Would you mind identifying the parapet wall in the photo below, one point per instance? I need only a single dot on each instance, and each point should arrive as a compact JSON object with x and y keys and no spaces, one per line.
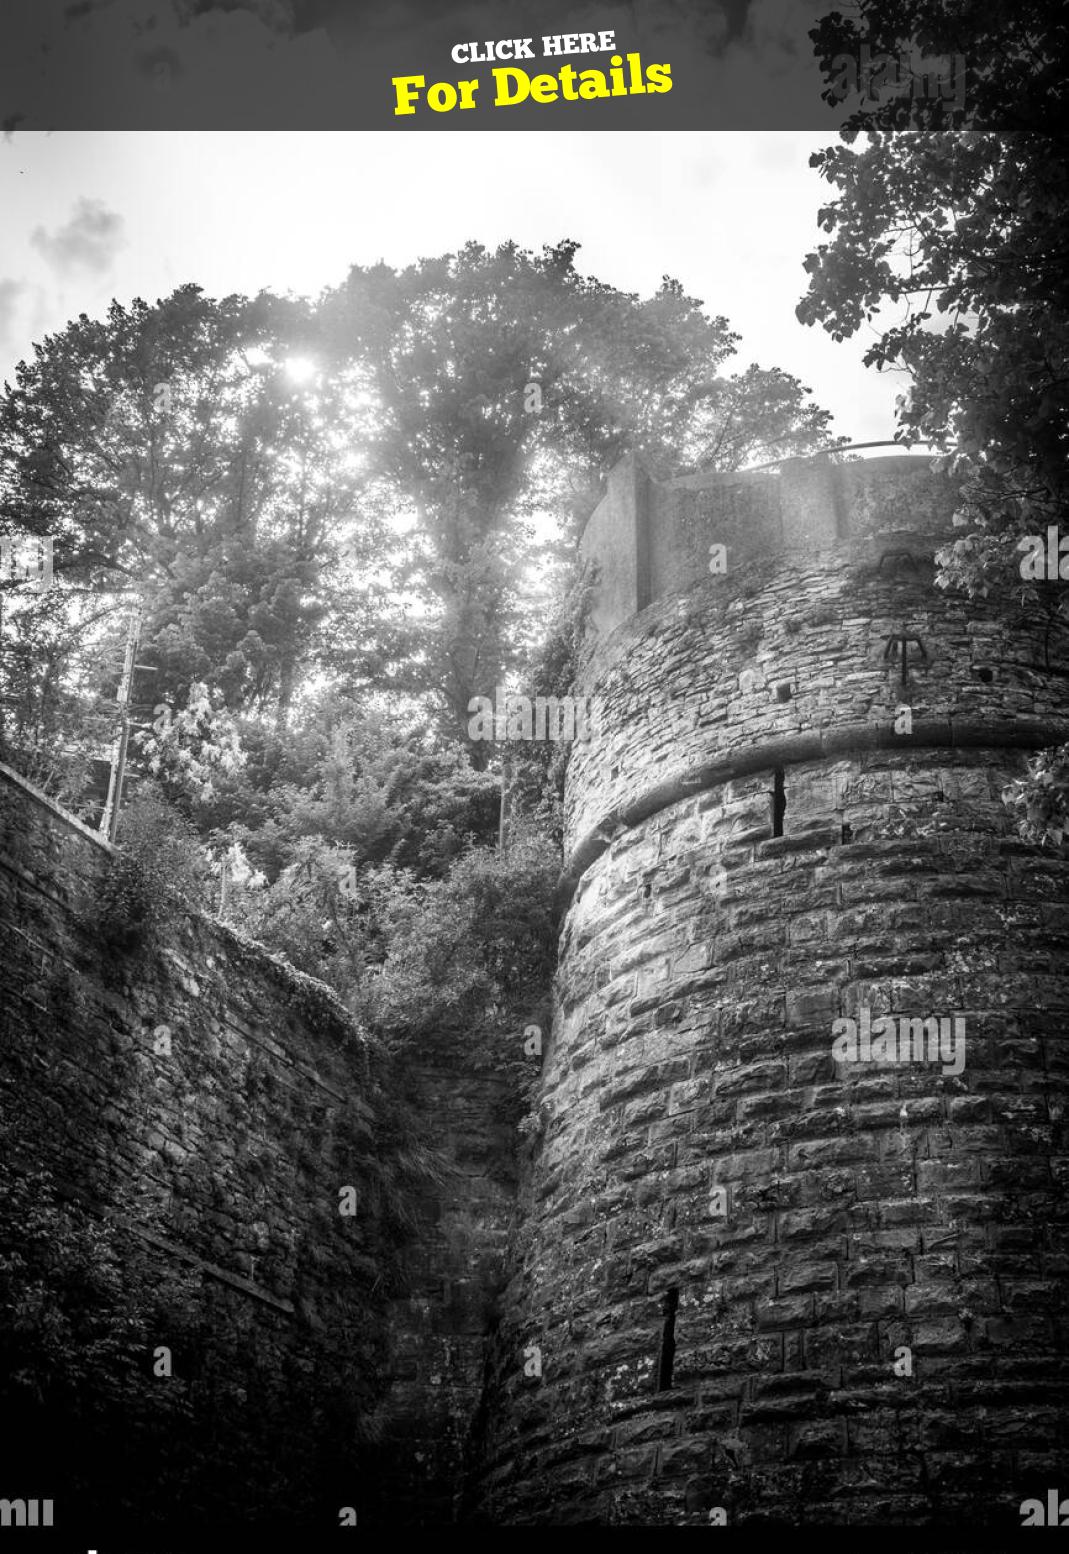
{"x":652,"y":538}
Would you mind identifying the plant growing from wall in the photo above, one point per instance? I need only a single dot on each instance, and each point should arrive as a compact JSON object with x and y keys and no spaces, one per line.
{"x":79,"y":1307}
{"x":1040,"y":799}
{"x":262,"y":1414}
{"x":159,"y":875}
{"x":535,"y":778}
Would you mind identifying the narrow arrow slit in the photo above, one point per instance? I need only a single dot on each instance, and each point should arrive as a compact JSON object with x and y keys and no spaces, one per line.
{"x":668,"y":1341}
{"x":779,"y":802}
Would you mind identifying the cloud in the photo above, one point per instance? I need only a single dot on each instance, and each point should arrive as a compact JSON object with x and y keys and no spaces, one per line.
{"x":277,"y":14}
{"x":89,"y":240}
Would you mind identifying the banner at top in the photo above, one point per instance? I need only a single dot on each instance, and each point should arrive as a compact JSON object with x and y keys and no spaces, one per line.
{"x":615,"y":65}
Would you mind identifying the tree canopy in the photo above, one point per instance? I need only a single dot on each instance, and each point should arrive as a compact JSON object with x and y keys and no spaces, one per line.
{"x":953,"y":249}
{"x":340,"y":520}
{"x":377,"y":491}
{"x":504,"y":386}
{"x":1012,"y":54}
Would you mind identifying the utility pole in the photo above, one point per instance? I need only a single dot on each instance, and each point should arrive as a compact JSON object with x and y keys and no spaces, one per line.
{"x":502,"y":825}
{"x":109,"y":821}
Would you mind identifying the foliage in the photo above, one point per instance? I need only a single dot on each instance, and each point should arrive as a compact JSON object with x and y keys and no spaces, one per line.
{"x":79,"y":1308}
{"x":534,"y":771}
{"x":1013,"y":52}
{"x":968,"y":235}
{"x":379,"y":786}
{"x":159,"y":874}
{"x":1041,"y":799}
{"x":310,"y":915}
{"x":450,"y":350}
{"x":74,"y":1319}
{"x":974,"y":224}
{"x":56,"y":714}
{"x":465,"y":953}
{"x":186,"y":748}
{"x":452,"y":964}
{"x":167,"y":450}
{"x":249,"y":1428}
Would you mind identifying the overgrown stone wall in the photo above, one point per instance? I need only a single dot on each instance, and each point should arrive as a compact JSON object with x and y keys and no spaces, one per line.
{"x":747,"y":1279}
{"x":200,"y":1107}
{"x":764,"y":1283}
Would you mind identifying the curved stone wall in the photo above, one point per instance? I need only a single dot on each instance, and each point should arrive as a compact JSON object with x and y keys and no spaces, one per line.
{"x":763,"y":1281}
{"x":784,"y":656}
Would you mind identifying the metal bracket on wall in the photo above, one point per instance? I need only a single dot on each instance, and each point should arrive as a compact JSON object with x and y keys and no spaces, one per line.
{"x":899,"y":641}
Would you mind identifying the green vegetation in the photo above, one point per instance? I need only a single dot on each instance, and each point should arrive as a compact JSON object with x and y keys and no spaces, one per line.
{"x":330,"y":563}
{"x":952,"y":248}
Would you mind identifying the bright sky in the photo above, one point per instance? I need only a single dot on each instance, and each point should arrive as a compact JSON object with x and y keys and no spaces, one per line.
{"x":92,"y":216}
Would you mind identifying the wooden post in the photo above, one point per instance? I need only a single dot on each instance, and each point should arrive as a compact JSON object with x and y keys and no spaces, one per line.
{"x":502,"y":829}
{"x":109,"y":822}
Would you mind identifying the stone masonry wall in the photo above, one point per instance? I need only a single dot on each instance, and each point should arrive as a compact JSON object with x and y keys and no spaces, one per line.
{"x":223,"y":1160}
{"x":746,"y":1280}
{"x":791,"y":646}
{"x":766,"y":1284}
{"x":454,"y":1274}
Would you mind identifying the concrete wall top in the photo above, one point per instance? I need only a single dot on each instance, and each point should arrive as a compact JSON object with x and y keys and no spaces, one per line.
{"x":650,"y":539}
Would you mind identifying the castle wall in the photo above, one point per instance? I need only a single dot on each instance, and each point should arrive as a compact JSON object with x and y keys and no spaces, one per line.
{"x":747,"y":1279}
{"x":320,"y":1360}
{"x":767,"y":1284}
{"x":454,"y":1271}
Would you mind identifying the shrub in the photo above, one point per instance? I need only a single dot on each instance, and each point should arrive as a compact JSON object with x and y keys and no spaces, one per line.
{"x":159,"y":874}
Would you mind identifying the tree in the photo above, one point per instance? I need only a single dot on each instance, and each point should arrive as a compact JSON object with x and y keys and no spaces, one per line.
{"x":972,"y":226}
{"x":1013,"y":52}
{"x":349,"y":489}
{"x":967,"y":235}
{"x":185,"y":753}
{"x":503,"y":383}
{"x":465,"y":954}
{"x":55,"y":712}
{"x":169,"y":451}
{"x":379,"y":787}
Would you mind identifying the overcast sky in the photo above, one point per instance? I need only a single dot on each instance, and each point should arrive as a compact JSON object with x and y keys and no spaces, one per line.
{"x":91,"y":216}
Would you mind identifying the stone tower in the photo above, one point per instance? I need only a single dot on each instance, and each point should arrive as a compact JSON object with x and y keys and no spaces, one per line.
{"x":762,"y":1281}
